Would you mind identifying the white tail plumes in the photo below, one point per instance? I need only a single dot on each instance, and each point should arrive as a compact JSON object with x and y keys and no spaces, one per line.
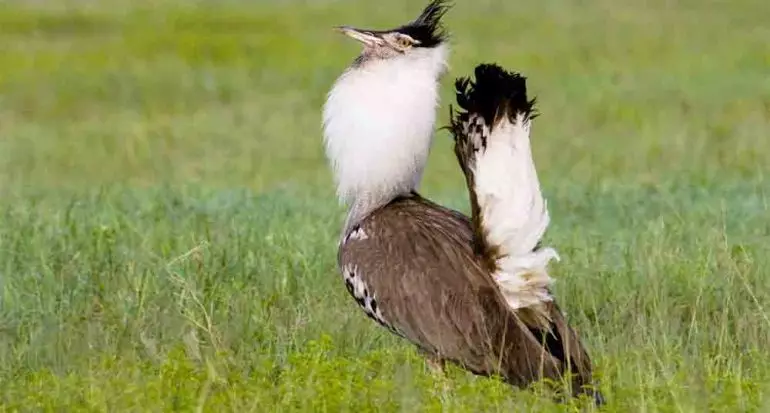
{"x":511,"y":216}
{"x":514,"y":213}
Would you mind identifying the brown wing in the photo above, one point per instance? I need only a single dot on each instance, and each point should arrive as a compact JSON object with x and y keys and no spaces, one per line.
{"x":412,"y":267}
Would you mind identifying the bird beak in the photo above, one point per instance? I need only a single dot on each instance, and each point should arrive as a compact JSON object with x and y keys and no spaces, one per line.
{"x":367,"y":37}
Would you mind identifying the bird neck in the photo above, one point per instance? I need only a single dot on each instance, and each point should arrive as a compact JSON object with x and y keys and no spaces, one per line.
{"x":378,"y":126}
{"x":360,"y":208}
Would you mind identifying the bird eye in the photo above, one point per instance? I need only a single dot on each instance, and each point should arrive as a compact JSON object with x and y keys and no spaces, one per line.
{"x":404,"y":42}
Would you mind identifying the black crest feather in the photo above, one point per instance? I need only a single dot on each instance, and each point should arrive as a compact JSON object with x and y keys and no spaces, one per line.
{"x":427,"y":28}
{"x":494,"y":94}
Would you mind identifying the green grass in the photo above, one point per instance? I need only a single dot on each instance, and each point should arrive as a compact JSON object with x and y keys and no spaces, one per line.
{"x":168,"y":227}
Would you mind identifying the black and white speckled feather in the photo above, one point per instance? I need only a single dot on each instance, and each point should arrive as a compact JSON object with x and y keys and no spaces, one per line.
{"x":364,"y":296}
{"x":355,"y":234}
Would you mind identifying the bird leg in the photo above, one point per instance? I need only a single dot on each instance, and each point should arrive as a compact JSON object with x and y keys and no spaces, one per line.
{"x":436,"y":366}
{"x":434,"y":362}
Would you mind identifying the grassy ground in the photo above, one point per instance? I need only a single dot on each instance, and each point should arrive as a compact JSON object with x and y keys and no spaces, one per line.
{"x":168,"y":226}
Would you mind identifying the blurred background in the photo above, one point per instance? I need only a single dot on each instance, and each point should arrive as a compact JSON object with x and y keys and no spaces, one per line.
{"x":168,"y":226}
{"x":228,"y":93}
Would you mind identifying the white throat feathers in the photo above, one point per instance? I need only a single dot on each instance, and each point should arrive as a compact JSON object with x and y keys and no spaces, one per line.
{"x":378,"y":124}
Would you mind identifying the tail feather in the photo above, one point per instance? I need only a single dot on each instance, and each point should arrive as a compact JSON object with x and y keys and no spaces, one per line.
{"x":509,"y":213}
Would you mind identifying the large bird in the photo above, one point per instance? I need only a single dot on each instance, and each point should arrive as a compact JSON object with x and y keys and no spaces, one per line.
{"x":472,"y":291}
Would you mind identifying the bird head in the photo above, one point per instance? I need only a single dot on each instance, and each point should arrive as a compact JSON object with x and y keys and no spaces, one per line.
{"x":412,"y":39}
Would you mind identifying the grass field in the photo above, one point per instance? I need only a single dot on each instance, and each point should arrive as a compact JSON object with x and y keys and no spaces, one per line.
{"x":168,"y":226}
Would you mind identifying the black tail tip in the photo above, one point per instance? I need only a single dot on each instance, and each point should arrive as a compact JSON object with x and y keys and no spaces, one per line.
{"x":495,"y":92}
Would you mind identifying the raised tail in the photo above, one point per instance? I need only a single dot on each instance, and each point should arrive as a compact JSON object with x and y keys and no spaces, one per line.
{"x":510,"y":215}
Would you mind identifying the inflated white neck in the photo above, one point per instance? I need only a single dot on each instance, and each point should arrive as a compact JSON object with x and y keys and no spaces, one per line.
{"x":378,"y":125}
